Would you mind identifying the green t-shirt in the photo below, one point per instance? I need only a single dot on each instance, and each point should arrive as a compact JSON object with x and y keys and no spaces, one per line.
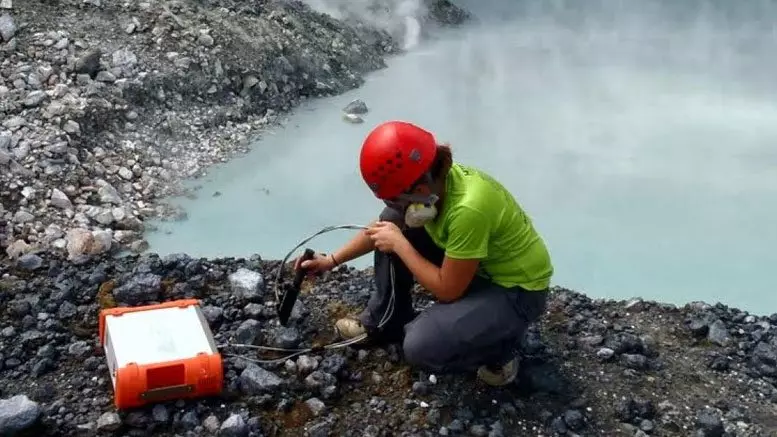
{"x":481,"y":219}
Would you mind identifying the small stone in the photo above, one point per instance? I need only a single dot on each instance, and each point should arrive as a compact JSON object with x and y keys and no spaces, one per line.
{"x":356,"y":106}
{"x":247,"y":284}
{"x":316,"y":406}
{"x":17,"y":414}
{"x":635,"y":361}
{"x":72,"y":127}
{"x":29,"y":262}
{"x":7,"y":27}
{"x":574,"y":419}
{"x":352,"y":118}
{"x":234,"y":426}
{"x":23,"y":217}
{"x":6,"y":4}
{"x":60,"y":199}
{"x":709,"y":423}
{"x":256,"y":380}
{"x":206,"y":40}
{"x":109,"y":422}
{"x":718,"y":334}
{"x":34,"y":98}
{"x":605,"y":353}
{"x":211,"y":423}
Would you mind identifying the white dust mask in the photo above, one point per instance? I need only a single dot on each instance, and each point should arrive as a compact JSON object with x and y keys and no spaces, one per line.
{"x":419,"y":214}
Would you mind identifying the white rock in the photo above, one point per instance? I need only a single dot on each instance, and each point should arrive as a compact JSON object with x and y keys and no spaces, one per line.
{"x":72,"y":127}
{"x":17,"y":249}
{"x":108,"y":194}
{"x":60,"y":199}
{"x":28,"y":192}
{"x":352,"y":118}
{"x":139,"y":246}
{"x":125,"y":173}
{"x":109,"y":421}
{"x":104,"y":217}
{"x":23,"y":217}
{"x":119,"y":214}
{"x":103,"y":240}
{"x":6,"y":4}
{"x":124,"y":237}
{"x":79,"y":242}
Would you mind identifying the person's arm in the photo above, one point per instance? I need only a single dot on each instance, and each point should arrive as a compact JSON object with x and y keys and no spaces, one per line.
{"x":358,"y":246}
{"x":467,"y":245}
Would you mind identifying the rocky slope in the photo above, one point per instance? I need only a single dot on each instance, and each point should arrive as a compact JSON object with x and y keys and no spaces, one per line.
{"x":590,"y":368}
{"x":106,"y":106}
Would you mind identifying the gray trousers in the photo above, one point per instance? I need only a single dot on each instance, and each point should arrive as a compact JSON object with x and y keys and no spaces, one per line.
{"x":485,"y":326}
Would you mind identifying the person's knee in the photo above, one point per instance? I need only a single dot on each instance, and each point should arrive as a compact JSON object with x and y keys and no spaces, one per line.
{"x":421,"y":349}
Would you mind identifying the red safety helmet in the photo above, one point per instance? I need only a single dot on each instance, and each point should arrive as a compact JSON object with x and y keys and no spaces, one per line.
{"x":394,"y":155}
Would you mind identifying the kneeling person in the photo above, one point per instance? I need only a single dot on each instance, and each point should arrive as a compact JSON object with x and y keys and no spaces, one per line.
{"x":463,"y":237}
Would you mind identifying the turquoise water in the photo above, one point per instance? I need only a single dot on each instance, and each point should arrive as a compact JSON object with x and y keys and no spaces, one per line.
{"x":642,"y":141}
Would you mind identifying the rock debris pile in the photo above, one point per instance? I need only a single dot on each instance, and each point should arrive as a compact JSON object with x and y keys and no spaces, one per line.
{"x":590,"y":368}
{"x":105,"y":107}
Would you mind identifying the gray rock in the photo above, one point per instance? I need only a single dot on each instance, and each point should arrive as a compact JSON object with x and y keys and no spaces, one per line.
{"x":17,"y":414}
{"x":14,"y":122}
{"x":89,"y":63}
{"x":635,"y":361}
{"x":72,"y":127}
{"x":124,"y":58}
{"x":287,"y":337}
{"x":29,"y":262}
{"x":23,"y":217}
{"x":248,"y":332}
{"x":109,"y":194}
{"x":34,"y":98}
{"x":320,"y":429}
{"x":319,"y":379}
{"x":60,"y":199}
{"x":247,"y":284}
{"x":356,"y":106}
{"x":234,"y":426}
{"x":213,"y":314}
{"x":211,"y":423}
{"x":574,"y":420}
{"x":605,"y":353}
{"x":105,"y":76}
{"x":5,"y":157}
{"x":109,"y":421}
{"x":206,"y":40}
{"x":5,"y":141}
{"x":306,"y":364}
{"x":7,"y":27}
{"x":160,"y":414}
{"x":709,"y":424}
{"x":316,"y":406}
{"x":140,"y":288}
{"x":353,"y":118}
{"x":718,"y":333}
{"x":79,"y":349}
{"x":255,"y":380}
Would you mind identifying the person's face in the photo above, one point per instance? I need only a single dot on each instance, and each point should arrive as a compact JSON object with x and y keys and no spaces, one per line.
{"x":417,"y":194}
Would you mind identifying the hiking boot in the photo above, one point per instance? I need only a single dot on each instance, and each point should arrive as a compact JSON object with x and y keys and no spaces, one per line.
{"x":349,"y":328}
{"x":499,"y":375}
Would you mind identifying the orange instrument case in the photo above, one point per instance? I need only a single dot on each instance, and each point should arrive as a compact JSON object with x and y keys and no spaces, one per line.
{"x":160,"y":352}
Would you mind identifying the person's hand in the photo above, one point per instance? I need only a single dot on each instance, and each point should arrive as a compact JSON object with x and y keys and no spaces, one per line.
{"x":387,"y":236}
{"x":318,"y":264}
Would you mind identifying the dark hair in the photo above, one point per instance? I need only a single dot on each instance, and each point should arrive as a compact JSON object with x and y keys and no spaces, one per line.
{"x":442,"y":162}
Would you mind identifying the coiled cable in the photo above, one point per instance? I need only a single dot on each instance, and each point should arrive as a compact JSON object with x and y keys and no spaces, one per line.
{"x":388,"y":313}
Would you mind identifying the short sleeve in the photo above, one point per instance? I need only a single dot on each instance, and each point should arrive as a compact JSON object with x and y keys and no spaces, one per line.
{"x":468,"y":234}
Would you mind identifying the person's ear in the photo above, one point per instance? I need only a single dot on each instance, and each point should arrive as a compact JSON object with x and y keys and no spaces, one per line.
{"x":422,"y":189}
